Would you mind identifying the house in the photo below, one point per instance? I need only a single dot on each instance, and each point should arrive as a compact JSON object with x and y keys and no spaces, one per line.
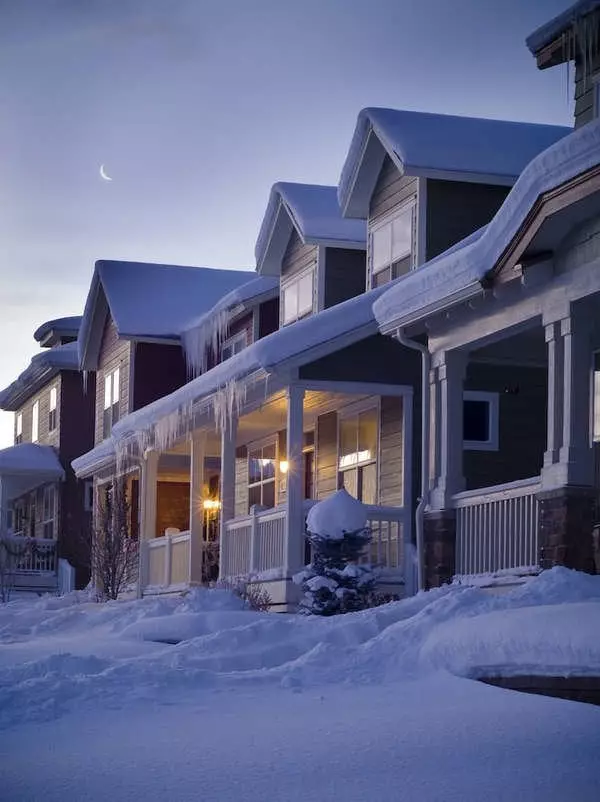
{"x":54,"y":417}
{"x":507,"y":325}
{"x":325,"y":401}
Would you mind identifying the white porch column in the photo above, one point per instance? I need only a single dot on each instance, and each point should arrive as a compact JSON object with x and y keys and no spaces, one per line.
{"x":294,"y":519}
{"x":197,"y":454}
{"x":450,"y":368}
{"x":228,"y":438}
{"x":555,"y":395}
{"x":3,"y":510}
{"x":148,"y":488}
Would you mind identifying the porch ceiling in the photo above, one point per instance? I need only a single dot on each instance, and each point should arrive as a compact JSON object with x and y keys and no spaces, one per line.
{"x":526,"y":348}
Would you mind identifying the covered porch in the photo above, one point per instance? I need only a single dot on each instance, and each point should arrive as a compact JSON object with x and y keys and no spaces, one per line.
{"x":252,"y":479}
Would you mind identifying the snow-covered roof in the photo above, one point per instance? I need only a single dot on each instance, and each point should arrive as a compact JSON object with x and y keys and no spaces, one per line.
{"x":60,"y":326}
{"x":101,"y":456}
{"x":27,"y":465}
{"x":459,"y":272}
{"x":548,"y":32}
{"x":437,"y":146}
{"x":43,"y":367}
{"x":210,"y":329}
{"x":150,"y":301}
{"x":315,"y":213}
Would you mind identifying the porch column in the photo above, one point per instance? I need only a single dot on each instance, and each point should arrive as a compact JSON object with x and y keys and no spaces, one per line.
{"x":148,"y":488}
{"x":3,"y":510}
{"x":294,"y":519}
{"x":554,"y":342}
{"x":228,"y":438}
{"x":450,"y":369}
{"x":197,"y":454}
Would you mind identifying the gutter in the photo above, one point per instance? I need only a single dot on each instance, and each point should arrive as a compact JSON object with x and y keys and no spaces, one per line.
{"x":425,"y":420}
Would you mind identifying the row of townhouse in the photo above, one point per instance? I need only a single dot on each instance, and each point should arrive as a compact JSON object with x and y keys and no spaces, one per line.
{"x":423,"y":335}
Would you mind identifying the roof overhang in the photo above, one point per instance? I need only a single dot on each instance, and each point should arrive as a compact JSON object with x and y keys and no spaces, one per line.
{"x":26,"y":466}
{"x":557,"y":41}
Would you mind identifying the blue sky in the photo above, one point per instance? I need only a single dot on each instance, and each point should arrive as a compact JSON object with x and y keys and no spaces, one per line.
{"x":197,"y":106}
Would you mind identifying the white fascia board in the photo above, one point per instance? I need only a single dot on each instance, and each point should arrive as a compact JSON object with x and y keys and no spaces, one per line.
{"x":466,"y":177}
{"x":434,"y":308}
{"x":351,"y":245}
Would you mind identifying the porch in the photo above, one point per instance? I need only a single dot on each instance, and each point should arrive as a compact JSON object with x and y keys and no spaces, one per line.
{"x":249,"y":486}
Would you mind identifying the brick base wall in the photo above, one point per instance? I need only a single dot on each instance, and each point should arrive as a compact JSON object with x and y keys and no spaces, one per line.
{"x":566,"y":518}
{"x":439,"y":534}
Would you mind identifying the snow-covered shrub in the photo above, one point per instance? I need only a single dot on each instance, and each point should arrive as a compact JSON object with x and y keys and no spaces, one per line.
{"x":334,"y":582}
{"x":251,"y":592}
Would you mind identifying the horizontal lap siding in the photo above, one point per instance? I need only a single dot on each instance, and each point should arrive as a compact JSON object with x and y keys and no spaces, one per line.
{"x":391,"y":452}
{"x":298,"y":256}
{"x":392,"y":190}
{"x":114,"y":353}
{"x":345,"y":275}
{"x":584,"y":91}
{"x":326,"y":455}
{"x":159,"y":369}
{"x":45,"y":436}
{"x":241,"y":482}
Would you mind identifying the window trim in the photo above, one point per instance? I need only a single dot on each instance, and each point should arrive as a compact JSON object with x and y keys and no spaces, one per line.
{"x":387,"y":220}
{"x":289,"y":281}
{"x":265,"y":442}
{"x":52,"y":407}
{"x":115,"y":407}
{"x":35,"y":421}
{"x":493,"y":401}
{"x":353,"y":410}
{"x":52,"y":518}
{"x":241,"y":336}
{"x":18,"y":428}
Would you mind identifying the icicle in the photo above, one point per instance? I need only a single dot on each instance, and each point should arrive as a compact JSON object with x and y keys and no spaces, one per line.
{"x":227,"y":401}
{"x":206,"y":336}
{"x":84,"y":378}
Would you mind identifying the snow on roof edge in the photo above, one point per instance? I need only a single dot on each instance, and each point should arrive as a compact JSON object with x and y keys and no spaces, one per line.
{"x":42,"y":368}
{"x":549,"y":31}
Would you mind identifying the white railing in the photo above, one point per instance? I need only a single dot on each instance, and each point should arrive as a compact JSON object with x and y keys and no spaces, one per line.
{"x":388,"y":533}
{"x":254,"y":544}
{"x":38,"y":555}
{"x":166,"y":561}
{"x":497,"y":527}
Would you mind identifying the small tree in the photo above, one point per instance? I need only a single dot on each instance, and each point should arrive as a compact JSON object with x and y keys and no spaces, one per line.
{"x":335,"y":582}
{"x":113,"y":552}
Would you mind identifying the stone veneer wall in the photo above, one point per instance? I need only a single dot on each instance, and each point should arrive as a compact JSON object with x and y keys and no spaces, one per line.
{"x":439,"y":533}
{"x":566,"y":519}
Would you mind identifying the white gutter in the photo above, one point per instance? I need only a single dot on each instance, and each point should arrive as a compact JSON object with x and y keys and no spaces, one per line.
{"x":425,"y":419}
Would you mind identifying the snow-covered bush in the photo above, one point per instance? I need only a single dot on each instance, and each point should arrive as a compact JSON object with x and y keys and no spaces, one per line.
{"x":251,"y":592}
{"x":335,"y":582}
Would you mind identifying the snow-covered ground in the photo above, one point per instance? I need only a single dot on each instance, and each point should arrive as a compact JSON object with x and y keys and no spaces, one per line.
{"x":199,"y":699}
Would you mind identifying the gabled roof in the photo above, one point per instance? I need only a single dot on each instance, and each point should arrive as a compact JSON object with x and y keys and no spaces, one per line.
{"x":147,"y":301}
{"x":314,"y":212}
{"x":550,"y":31}
{"x":437,"y":146}
{"x":458,"y":274}
{"x":42,"y":368}
{"x":27,"y":465}
{"x":52,"y":331}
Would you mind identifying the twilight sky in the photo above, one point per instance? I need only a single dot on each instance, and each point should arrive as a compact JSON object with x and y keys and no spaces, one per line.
{"x":197,"y":106}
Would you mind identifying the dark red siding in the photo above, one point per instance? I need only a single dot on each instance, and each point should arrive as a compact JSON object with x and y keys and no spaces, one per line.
{"x":158,"y":370}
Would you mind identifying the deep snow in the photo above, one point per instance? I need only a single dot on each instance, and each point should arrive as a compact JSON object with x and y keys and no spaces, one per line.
{"x":97,"y":702}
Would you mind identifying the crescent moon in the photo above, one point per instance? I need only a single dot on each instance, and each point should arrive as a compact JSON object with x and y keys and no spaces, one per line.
{"x":103,"y":174}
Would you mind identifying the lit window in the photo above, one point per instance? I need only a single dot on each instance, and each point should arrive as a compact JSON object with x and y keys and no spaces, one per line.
{"x":297,"y":297}
{"x":35,"y":422}
{"x":19,"y":428}
{"x":480,"y":421}
{"x":261,"y":476}
{"x":234,"y":345}
{"x":49,"y":511}
{"x":357,"y":455}
{"x":111,"y":400}
{"x":52,"y":410}
{"x":391,"y":247}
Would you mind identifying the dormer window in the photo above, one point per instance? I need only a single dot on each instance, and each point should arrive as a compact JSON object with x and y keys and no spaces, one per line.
{"x":35,"y":422}
{"x":234,"y":345}
{"x":52,"y":410}
{"x":19,"y":429}
{"x":391,"y":246}
{"x":297,"y":297}
{"x":111,"y":400}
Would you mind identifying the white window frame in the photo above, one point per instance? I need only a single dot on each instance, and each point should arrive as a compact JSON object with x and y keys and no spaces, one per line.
{"x":51,"y":517}
{"x":233,"y":342}
{"x":18,"y":428}
{"x":493,"y":402}
{"x":384,"y":222}
{"x":112,"y":398}
{"x":35,"y":421}
{"x":265,"y":442}
{"x":52,"y":407}
{"x":353,"y":411}
{"x":286,"y":284}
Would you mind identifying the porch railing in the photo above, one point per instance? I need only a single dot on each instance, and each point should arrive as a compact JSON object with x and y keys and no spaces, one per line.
{"x":39,"y":556}
{"x":497,"y":527}
{"x":166,"y":561}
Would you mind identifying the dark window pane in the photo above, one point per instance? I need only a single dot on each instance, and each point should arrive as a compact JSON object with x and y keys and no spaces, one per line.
{"x":268,"y":494}
{"x":402,"y":266}
{"x":254,"y":467}
{"x":476,"y":421}
{"x":383,"y":277}
{"x":254,"y":496}
{"x":369,"y":484}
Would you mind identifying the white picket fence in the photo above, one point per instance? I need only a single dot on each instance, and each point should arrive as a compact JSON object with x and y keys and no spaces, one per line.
{"x":166,"y":561}
{"x":497,"y":527}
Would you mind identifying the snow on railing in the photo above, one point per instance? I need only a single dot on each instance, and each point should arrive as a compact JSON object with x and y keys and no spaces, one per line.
{"x":497,"y":527}
{"x":38,"y":555}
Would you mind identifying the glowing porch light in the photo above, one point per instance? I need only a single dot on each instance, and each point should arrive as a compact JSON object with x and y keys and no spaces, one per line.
{"x":284,"y":466}
{"x":211,"y":504}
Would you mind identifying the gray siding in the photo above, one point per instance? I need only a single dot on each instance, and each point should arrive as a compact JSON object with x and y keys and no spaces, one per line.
{"x":45,"y":436}
{"x":114,"y":353}
{"x":584,"y":91}
{"x":391,"y":452}
{"x":391,"y":190}
{"x":455,"y":209}
{"x":326,"y":455}
{"x":297,"y":256}
{"x":345,"y":275}
{"x":241,"y":482}
{"x":522,"y":425}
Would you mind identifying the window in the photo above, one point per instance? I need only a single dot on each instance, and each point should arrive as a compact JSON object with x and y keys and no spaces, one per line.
{"x":391,"y":246}
{"x":111,"y":400}
{"x":480,"y":421}
{"x":35,"y":422}
{"x":297,"y":297}
{"x":19,"y":428}
{"x":52,"y":410}
{"x":88,"y":496}
{"x":234,"y":345}
{"x":357,"y":455}
{"x":49,"y":511}
{"x":261,"y":475}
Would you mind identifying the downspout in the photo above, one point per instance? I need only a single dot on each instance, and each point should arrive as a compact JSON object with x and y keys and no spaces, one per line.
{"x":425,"y":420}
